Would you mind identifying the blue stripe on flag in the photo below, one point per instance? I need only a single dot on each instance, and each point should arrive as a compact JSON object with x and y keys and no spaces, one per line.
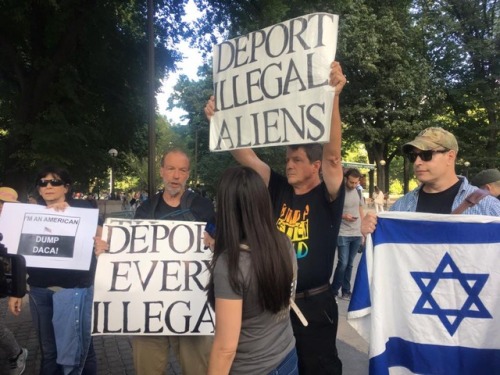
{"x":437,"y":232}
{"x":360,"y":298}
{"x":435,"y":359}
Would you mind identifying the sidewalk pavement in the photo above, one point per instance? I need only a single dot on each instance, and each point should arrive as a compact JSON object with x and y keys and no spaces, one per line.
{"x":352,"y":348}
{"x":114,"y":353}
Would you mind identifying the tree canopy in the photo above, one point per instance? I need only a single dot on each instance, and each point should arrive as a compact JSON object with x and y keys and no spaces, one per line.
{"x":463,"y":46}
{"x":73,"y":81}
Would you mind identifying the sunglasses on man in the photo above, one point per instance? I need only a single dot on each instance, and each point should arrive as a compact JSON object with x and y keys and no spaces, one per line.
{"x":424,"y":155}
{"x":54,"y":182}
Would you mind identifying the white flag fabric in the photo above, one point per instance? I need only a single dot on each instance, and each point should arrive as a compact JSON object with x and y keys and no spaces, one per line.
{"x":427,"y":294}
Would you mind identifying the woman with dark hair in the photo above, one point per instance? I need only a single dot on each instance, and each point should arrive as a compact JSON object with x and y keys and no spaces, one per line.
{"x":61,"y":299}
{"x":252,"y":282}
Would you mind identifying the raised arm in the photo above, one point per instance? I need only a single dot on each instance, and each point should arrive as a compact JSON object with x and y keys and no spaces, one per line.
{"x":332,"y":160}
{"x":244,"y":156}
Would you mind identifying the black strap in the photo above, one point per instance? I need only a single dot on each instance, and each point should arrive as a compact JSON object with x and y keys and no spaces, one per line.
{"x":471,"y":201}
{"x":184,"y":213}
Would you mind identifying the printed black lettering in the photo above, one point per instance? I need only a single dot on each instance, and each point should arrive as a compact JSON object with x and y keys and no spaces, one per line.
{"x":148,"y":316}
{"x":118,"y":267}
{"x":187,"y":317}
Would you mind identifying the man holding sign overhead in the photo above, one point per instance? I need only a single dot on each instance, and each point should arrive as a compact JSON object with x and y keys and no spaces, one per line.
{"x":308,"y":209}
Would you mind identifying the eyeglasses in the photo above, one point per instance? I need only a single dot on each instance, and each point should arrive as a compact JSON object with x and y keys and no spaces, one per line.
{"x":424,"y":155}
{"x":54,"y":182}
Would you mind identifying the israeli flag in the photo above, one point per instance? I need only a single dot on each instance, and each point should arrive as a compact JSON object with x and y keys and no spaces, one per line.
{"x":427,"y":294}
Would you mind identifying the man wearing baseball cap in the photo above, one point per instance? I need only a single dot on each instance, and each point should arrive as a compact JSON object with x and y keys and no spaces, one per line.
{"x":433,"y":153}
{"x":7,"y":194}
{"x":489,"y":180}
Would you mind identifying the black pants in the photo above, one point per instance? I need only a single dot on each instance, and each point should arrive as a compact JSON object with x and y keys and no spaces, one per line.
{"x":316,"y":343}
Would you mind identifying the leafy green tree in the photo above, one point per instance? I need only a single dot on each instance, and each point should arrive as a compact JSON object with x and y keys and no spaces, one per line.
{"x":389,"y":79}
{"x":463,"y":39}
{"x":191,"y":96}
{"x":73,"y":81}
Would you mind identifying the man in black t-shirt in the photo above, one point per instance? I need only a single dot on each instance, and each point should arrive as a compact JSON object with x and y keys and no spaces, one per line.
{"x":308,"y":210}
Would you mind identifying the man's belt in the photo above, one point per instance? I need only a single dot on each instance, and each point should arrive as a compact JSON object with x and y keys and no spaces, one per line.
{"x":312,"y":292}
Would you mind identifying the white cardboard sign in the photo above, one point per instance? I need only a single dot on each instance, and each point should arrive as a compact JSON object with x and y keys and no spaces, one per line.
{"x":271,"y":86}
{"x":49,"y":238}
{"x":153,"y":280}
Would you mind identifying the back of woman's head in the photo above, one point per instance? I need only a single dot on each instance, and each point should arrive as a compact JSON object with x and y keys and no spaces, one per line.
{"x":243,"y":202}
{"x":244,"y":215}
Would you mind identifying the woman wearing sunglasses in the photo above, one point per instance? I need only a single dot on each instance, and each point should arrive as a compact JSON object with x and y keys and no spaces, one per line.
{"x":65,"y":338}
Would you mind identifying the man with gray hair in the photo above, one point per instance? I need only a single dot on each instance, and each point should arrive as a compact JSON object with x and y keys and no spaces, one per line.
{"x":489,"y":180}
{"x":175,"y":202}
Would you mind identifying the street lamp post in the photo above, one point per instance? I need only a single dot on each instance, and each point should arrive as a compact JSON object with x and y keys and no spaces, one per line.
{"x":113,"y":153}
{"x":467,"y":165}
{"x":381,"y":175}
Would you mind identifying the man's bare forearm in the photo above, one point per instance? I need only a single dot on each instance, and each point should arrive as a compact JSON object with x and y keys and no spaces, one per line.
{"x":248,"y":158}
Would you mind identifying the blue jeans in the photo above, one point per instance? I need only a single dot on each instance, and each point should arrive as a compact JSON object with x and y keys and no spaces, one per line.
{"x":42,"y":312}
{"x":289,"y":365}
{"x":347,"y":250}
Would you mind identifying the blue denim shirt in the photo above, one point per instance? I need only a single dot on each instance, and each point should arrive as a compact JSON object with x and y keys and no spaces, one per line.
{"x":487,"y":206}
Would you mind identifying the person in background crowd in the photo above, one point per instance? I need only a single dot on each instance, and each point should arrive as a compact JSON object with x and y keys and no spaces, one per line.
{"x":309,"y":210}
{"x":378,"y":199}
{"x":361,"y":187}
{"x":349,"y":239}
{"x":65,"y":340}
{"x":433,"y":154}
{"x":135,"y":200}
{"x":15,"y":353}
{"x":251,"y":282}
{"x":91,"y":199}
{"x":489,"y":180}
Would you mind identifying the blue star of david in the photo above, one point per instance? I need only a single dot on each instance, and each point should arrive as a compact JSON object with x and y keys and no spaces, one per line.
{"x":472,"y":284}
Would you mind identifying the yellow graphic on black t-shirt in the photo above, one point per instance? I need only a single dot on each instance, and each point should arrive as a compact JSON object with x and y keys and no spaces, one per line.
{"x":295,"y":224}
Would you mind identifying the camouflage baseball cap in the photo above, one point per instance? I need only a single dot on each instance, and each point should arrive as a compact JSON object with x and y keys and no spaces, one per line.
{"x":431,"y":139}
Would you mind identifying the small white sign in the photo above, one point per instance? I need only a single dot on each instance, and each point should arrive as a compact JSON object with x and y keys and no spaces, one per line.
{"x":153,"y":280}
{"x":271,"y":86}
{"x":49,"y":238}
